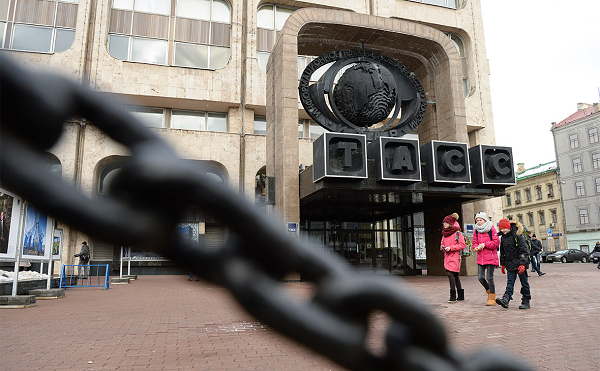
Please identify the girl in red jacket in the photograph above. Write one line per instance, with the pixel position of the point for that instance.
(486, 242)
(453, 242)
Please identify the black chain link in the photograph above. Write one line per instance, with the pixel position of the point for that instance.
(151, 193)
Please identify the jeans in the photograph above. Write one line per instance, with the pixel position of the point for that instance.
(487, 281)
(511, 277)
(535, 263)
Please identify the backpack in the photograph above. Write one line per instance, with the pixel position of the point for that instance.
(468, 250)
(489, 234)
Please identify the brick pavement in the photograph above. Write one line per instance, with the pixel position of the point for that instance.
(168, 323)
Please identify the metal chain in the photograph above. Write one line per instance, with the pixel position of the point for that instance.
(151, 193)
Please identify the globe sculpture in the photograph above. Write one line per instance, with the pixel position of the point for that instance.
(365, 94)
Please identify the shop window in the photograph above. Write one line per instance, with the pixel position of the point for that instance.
(583, 216)
(260, 125)
(577, 168)
(580, 188)
(140, 31)
(593, 135)
(39, 26)
(574, 141)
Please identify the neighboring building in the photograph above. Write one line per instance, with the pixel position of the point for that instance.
(535, 202)
(195, 72)
(577, 146)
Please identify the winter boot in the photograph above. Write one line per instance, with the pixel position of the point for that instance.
(461, 295)
(452, 296)
(503, 301)
(491, 299)
(524, 303)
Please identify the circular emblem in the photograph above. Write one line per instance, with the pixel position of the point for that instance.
(363, 92)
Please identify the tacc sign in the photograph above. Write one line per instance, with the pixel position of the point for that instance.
(450, 164)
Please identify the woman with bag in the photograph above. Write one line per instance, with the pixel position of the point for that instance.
(486, 243)
(452, 243)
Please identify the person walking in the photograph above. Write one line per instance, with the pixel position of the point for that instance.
(84, 259)
(536, 249)
(486, 243)
(452, 243)
(514, 259)
(597, 250)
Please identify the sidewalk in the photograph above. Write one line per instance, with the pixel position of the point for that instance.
(169, 323)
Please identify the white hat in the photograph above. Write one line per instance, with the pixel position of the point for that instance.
(481, 215)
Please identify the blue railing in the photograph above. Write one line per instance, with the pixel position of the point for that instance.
(84, 276)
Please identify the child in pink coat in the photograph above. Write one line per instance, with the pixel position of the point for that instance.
(452, 243)
(486, 242)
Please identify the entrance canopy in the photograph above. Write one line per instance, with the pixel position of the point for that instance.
(369, 200)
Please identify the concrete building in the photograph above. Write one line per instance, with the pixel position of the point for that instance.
(195, 71)
(535, 202)
(578, 153)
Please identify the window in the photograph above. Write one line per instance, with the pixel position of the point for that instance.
(542, 217)
(197, 120)
(270, 19)
(574, 141)
(260, 125)
(580, 188)
(593, 134)
(528, 194)
(508, 199)
(538, 192)
(510, 217)
(553, 216)
(517, 197)
(520, 218)
(550, 190)
(151, 117)
(530, 217)
(446, 3)
(577, 168)
(40, 26)
(597, 185)
(316, 130)
(596, 160)
(300, 128)
(139, 31)
(583, 216)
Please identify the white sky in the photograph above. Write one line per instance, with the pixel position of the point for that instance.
(544, 59)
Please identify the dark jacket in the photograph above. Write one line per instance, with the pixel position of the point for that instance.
(536, 246)
(514, 250)
(85, 251)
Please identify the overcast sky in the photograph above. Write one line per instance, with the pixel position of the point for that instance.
(544, 59)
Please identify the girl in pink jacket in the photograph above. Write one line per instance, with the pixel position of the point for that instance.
(486, 242)
(452, 243)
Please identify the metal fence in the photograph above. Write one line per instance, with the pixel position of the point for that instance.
(87, 275)
(155, 188)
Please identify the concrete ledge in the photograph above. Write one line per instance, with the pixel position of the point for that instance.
(48, 294)
(132, 277)
(119, 281)
(19, 301)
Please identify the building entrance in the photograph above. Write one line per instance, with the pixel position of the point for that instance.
(382, 247)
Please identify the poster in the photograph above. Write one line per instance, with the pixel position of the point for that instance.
(57, 244)
(37, 235)
(10, 217)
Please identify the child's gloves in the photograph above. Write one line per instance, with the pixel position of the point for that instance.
(480, 247)
(521, 269)
(503, 271)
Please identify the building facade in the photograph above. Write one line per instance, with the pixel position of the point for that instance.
(195, 71)
(535, 202)
(578, 153)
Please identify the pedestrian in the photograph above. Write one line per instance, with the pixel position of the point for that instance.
(486, 243)
(84, 259)
(597, 251)
(536, 249)
(514, 259)
(191, 276)
(452, 243)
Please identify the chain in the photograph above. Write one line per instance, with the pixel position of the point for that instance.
(152, 192)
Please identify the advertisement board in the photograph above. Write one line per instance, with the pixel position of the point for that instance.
(10, 217)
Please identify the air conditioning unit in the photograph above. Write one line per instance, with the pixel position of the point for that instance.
(552, 225)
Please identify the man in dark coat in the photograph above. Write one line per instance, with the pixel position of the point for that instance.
(536, 249)
(84, 259)
(514, 259)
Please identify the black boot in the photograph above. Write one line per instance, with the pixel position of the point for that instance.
(461, 295)
(524, 303)
(503, 301)
(452, 296)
